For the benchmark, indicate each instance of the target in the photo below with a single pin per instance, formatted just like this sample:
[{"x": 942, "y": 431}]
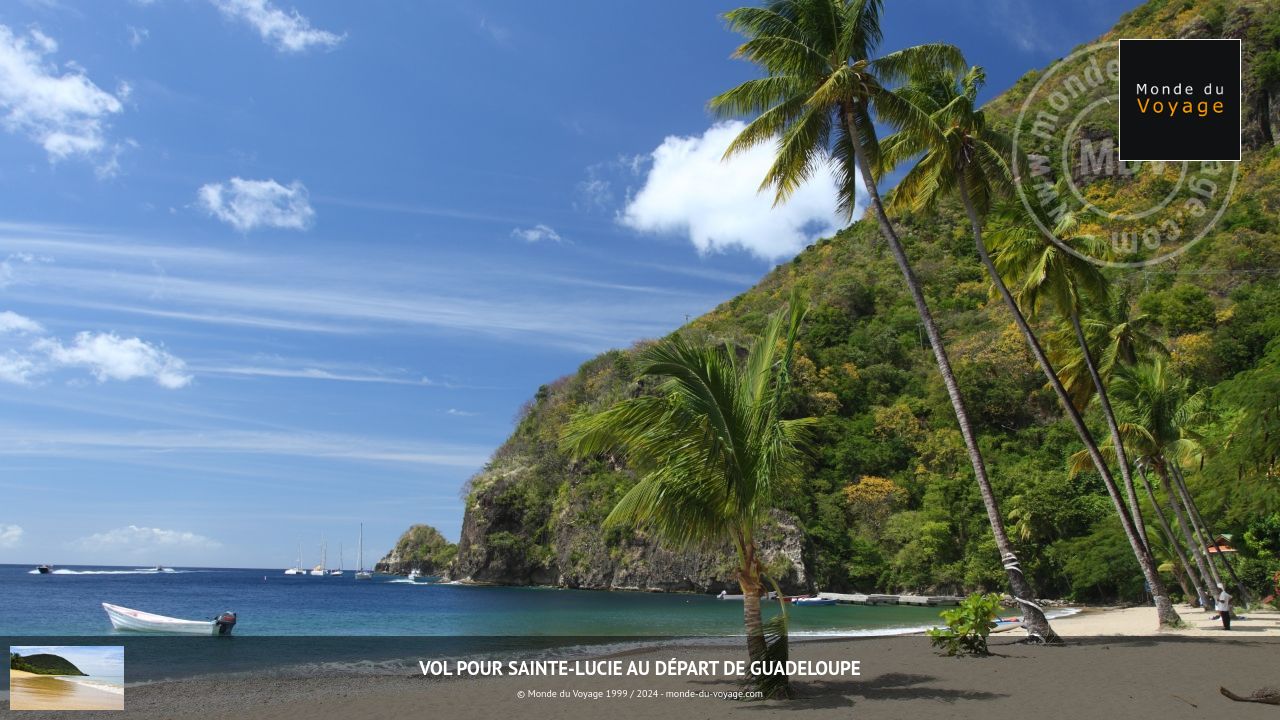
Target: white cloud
[
  {"x": 142, "y": 540},
  {"x": 12, "y": 322},
  {"x": 111, "y": 357},
  {"x": 691, "y": 190},
  {"x": 287, "y": 31},
  {"x": 59, "y": 108},
  {"x": 248, "y": 204},
  {"x": 537, "y": 233},
  {"x": 460, "y": 413},
  {"x": 17, "y": 369},
  {"x": 10, "y": 536}
]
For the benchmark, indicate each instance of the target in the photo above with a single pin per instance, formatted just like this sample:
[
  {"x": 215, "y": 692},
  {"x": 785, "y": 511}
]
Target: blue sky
[{"x": 269, "y": 269}]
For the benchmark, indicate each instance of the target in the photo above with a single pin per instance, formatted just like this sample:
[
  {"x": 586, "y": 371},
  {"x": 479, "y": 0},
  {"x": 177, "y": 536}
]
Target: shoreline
[
  {"x": 1112, "y": 664},
  {"x": 32, "y": 691}
]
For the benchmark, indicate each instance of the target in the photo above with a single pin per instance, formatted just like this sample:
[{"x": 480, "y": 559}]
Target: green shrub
[{"x": 967, "y": 625}]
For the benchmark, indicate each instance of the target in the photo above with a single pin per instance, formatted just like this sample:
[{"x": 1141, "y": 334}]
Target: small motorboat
[
  {"x": 44, "y": 569},
  {"x": 123, "y": 618},
  {"x": 813, "y": 601}
]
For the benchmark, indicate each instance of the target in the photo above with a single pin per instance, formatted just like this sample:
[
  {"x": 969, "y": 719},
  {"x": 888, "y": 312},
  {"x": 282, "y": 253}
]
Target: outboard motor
[{"x": 225, "y": 622}]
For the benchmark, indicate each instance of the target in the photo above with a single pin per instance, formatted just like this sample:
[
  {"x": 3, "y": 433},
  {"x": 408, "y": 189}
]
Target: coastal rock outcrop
[
  {"x": 421, "y": 548},
  {"x": 533, "y": 517}
]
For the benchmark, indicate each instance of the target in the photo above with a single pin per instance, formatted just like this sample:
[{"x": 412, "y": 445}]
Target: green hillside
[
  {"x": 888, "y": 502},
  {"x": 43, "y": 664}
]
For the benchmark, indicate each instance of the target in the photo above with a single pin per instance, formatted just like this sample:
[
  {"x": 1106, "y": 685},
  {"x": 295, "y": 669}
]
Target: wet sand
[{"x": 28, "y": 691}]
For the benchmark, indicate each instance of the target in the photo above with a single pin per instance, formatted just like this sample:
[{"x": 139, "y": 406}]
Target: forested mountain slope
[{"x": 889, "y": 502}]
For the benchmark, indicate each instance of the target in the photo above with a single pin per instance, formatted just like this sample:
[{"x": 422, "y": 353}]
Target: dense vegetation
[
  {"x": 888, "y": 500},
  {"x": 420, "y": 548},
  {"x": 43, "y": 664}
]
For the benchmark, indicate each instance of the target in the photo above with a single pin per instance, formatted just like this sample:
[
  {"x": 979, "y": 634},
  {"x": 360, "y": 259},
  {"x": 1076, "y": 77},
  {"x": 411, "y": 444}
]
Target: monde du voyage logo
[
  {"x": 1180, "y": 100},
  {"x": 1133, "y": 147}
]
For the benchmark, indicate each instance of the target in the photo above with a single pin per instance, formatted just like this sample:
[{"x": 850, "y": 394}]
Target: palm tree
[
  {"x": 1166, "y": 416},
  {"x": 1156, "y": 407},
  {"x": 959, "y": 153},
  {"x": 1046, "y": 273},
  {"x": 822, "y": 83},
  {"x": 711, "y": 450},
  {"x": 1174, "y": 546}
]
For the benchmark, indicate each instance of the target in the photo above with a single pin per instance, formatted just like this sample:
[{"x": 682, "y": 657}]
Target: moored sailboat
[{"x": 361, "y": 573}]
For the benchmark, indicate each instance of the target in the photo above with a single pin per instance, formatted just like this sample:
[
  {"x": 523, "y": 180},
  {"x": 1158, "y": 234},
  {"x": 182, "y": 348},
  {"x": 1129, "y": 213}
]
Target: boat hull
[{"x": 123, "y": 618}]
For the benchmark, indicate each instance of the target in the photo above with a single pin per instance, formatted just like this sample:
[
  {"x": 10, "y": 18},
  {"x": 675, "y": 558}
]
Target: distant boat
[
  {"x": 44, "y": 569},
  {"x": 123, "y": 618},
  {"x": 319, "y": 569},
  {"x": 361, "y": 573},
  {"x": 813, "y": 601},
  {"x": 159, "y": 568},
  {"x": 339, "y": 570},
  {"x": 297, "y": 569}
]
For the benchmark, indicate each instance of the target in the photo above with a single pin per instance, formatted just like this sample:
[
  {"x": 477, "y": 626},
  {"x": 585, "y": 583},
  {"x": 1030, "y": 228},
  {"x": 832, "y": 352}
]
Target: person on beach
[{"x": 1223, "y": 606}]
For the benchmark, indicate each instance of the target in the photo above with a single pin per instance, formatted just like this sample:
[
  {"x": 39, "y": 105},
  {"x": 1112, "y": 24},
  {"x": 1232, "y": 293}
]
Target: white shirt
[{"x": 1224, "y": 602}]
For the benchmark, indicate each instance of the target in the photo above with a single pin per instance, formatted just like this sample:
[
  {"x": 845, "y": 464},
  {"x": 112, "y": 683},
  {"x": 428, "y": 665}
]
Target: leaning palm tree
[
  {"x": 960, "y": 154},
  {"x": 711, "y": 450},
  {"x": 1044, "y": 273},
  {"x": 821, "y": 87},
  {"x": 1162, "y": 415}
]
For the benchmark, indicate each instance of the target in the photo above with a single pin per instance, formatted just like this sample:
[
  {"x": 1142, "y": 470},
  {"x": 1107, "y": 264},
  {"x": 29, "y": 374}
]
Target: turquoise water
[{"x": 68, "y": 603}]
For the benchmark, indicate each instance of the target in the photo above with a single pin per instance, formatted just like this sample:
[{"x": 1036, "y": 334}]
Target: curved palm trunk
[
  {"x": 1207, "y": 535},
  {"x": 1179, "y": 512},
  {"x": 1168, "y": 617},
  {"x": 1033, "y": 619},
  {"x": 1122, "y": 458},
  {"x": 752, "y": 589},
  {"x": 1199, "y": 594},
  {"x": 1189, "y": 507}
]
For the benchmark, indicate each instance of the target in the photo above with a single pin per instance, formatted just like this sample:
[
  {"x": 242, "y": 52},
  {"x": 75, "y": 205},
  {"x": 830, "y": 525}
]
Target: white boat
[
  {"x": 319, "y": 569},
  {"x": 123, "y": 618},
  {"x": 297, "y": 569},
  {"x": 414, "y": 576},
  {"x": 361, "y": 573}
]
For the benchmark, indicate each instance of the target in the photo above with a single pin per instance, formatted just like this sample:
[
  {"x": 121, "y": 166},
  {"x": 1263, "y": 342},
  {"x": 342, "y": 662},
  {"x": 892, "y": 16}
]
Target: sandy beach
[
  {"x": 1111, "y": 666},
  {"x": 28, "y": 691}
]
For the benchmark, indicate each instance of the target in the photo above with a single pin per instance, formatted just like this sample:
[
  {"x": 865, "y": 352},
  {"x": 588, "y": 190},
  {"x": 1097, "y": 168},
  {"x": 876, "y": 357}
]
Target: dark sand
[{"x": 1166, "y": 677}]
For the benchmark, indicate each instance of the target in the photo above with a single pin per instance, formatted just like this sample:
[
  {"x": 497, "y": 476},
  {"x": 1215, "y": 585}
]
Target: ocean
[
  {"x": 269, "y": 603},
  {"x": 337, "y": 626}
]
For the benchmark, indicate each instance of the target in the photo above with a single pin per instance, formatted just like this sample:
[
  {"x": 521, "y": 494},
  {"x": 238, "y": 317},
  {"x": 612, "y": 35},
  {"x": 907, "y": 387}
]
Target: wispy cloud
[
  {"x": 145, "y": 541},
  {"x": 30, "y": 441},
  {"x": 249, "y": 204},
  {"x": 61, "y": 109},
  {"x": 537, "y": 233},
  {"x": 137, "y": 35},
  {"x": 287, "y": 31},
  {"x": 10, "y": 536},
  {"x": 348, "y": 294}
]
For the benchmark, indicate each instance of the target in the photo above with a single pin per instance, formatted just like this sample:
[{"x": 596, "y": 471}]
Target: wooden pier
[{"x": 920, "y": 600}]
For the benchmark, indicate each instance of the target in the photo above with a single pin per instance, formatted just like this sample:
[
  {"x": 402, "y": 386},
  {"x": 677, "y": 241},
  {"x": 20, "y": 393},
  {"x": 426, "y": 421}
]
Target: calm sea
[{"x": 69, "y": 602}]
